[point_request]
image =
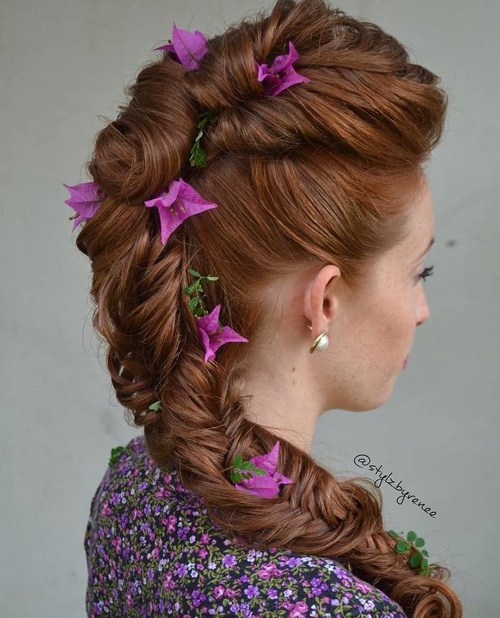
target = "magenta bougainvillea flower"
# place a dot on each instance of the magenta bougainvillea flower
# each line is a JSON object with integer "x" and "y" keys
{"x": 189, "y": 47}
{"x": 213, "y": 334}
{"x": 281, "y": 74}
{"x": 265, "y": 485}
{"x": 85, "y": 200}
{"x": 176, "y": 204}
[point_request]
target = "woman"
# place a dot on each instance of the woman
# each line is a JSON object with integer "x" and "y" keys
{"x": 257, "y": 224}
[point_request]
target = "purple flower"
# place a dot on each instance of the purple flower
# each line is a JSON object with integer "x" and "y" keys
{"x": 281, "y": 74}
{"x": 85, "y": 201}
{"x": 213, "y": 335}
{"x": 251, "y": 591}
{"x": 189, "y": 47}
{"x": 265, "y": 486}
{"x": 177, "y": 203}
{"x": 229, "y": 560}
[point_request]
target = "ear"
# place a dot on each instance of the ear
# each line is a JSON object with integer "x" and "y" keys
{"x": 320, "y": 300}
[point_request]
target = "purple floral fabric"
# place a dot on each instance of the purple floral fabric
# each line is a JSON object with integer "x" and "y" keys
{"x": 152, "y": 551}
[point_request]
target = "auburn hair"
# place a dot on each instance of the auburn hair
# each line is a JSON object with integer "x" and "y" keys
{"x": 320, "y": 173}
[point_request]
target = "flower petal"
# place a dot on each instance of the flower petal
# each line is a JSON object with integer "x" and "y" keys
{"x": 213, "y": 335}
{"x": 207, "y": 326}
{"x": 281, "y": 75}
{"x": 85, "y": 200}
{"x": 285, "y": 61}
{"x": 189, "y": 47}
{"x": 179, "y": 202}
{"x": 263, "y": 486}
{"x": 268, "y": 461}
{"x": 280, "y": 478}
{"x": 266, "y": 485}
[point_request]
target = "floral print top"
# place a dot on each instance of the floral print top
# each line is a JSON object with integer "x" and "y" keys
{"x": 152, "y": 551}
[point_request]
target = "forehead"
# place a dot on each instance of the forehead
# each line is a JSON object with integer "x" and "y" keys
{"x": 421, "y": 224}
{"x": 420, "y": 229}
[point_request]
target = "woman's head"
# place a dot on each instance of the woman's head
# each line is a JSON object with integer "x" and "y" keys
{"x": 322, "y": 209}
{"x": 370, "y": 327}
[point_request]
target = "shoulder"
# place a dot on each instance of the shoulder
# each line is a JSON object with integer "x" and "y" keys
{"x": 145, "y": 526}
{"x": 286, "y": 583}
{"x": 129, "y": 486}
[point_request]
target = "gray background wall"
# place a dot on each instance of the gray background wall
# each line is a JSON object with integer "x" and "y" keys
{"x": 63, "y": 63}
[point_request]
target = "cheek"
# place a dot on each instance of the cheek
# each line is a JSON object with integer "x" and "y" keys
{"x": 399, "y": 334}
{"x": 397, "y": 328}
{"x": 387, "y": 336}
{"x": 377, "y": 331}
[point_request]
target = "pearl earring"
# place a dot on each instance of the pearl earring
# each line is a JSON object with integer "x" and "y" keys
{"x": 321, "y": 342}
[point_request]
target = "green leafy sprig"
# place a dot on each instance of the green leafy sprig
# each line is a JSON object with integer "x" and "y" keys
{"x": 197, "y": 156}
{"x": 115, "y": 453}
{"x": 420, "y": 557}
{"x": 196, "y": 303}
{"x": 242, "y": 469}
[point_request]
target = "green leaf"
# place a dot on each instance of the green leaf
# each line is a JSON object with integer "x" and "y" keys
{"x": 394, "y": 534}
{"x": 419, "y": 542}
{"x": 259, "y": 471}
{"x": 194, "y": 272}
{"x": 425, "y": 552}
{"x": 236, "y": 476}
{"x": 411, "y": 536}
{"x": 246, "y": 465}
{"x": 212, "y": 278}
{"x": 207, "y": 116}
{"x": 155, "y": 406}
{"x": 198, "y": 156}
{"x": 425, "y": 568}
{"x": 401, "y": 547}
{"x": 194, "y": 302}
{"x": 200, "y": 312}
{"x": 415, "y": 560}
{"x": 238, "y": 460}
{"x": 115, "y": 453}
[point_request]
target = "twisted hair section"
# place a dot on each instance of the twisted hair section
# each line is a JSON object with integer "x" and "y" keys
{"x": 323, "y": 172}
